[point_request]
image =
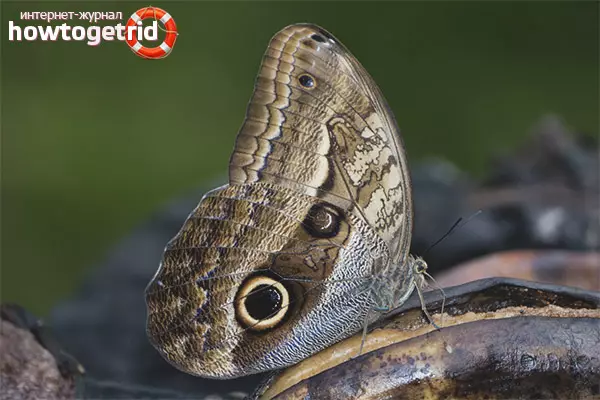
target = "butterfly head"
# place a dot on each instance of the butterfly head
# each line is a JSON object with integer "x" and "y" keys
{"x": 419, "y": 266}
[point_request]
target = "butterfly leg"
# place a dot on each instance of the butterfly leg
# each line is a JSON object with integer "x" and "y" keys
{"x": 424, "y": 308}
{"x": 364, "y": 335}
{"x": 377, "y": 309}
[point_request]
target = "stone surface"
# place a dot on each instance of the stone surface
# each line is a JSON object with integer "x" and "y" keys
{"x": 28, "y": 370}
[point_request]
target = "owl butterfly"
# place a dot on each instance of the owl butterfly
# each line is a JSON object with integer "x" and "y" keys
{"x": 310, "y": 238}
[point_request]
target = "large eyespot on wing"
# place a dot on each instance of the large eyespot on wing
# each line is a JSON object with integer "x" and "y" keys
{"x": 318, "y": 124}
{"x": 261, "y": 303}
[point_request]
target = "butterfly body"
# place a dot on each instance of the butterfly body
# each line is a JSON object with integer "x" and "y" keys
{"x": 310, "y": 235}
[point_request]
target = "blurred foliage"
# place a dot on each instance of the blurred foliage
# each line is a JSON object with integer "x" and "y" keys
{"x": 94, "y": 139}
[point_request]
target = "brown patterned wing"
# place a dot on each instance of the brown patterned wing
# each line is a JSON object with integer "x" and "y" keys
{"x": 311, "y": 234}
{"x": 318, "y": 124}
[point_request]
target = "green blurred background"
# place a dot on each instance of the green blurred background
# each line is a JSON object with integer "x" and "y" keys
{"x": 95, "y": 139}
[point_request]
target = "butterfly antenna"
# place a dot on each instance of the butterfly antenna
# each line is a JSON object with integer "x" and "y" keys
{"x": 454, "y": 227}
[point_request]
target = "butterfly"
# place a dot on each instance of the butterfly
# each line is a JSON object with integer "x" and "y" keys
{"x": 309, "y": 241}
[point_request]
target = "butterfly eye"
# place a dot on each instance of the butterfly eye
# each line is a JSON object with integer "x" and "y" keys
{"x": 420, "y": 266}
{"x": 323, "y": 221}
{"x": 307, "y": 81}
{"x": 261, "y": 303}
{"x": 318, "y": 38}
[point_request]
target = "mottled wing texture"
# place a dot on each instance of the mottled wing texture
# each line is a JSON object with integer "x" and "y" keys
{"x": 314, "y": 226}
{"x": 336, "y": 140}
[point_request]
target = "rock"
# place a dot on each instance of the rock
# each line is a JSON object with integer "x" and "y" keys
{"x": 560, "y": 267}
{"x": 28, "y": 370}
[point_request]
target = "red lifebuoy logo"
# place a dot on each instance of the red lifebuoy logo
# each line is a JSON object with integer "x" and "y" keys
{"x": 134, "y": 23}
{"x": 133, "y": 32}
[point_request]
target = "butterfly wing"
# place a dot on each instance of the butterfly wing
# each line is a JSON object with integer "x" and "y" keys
{"x": 318, "y": 124}
{"x": 279, "y": 264}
